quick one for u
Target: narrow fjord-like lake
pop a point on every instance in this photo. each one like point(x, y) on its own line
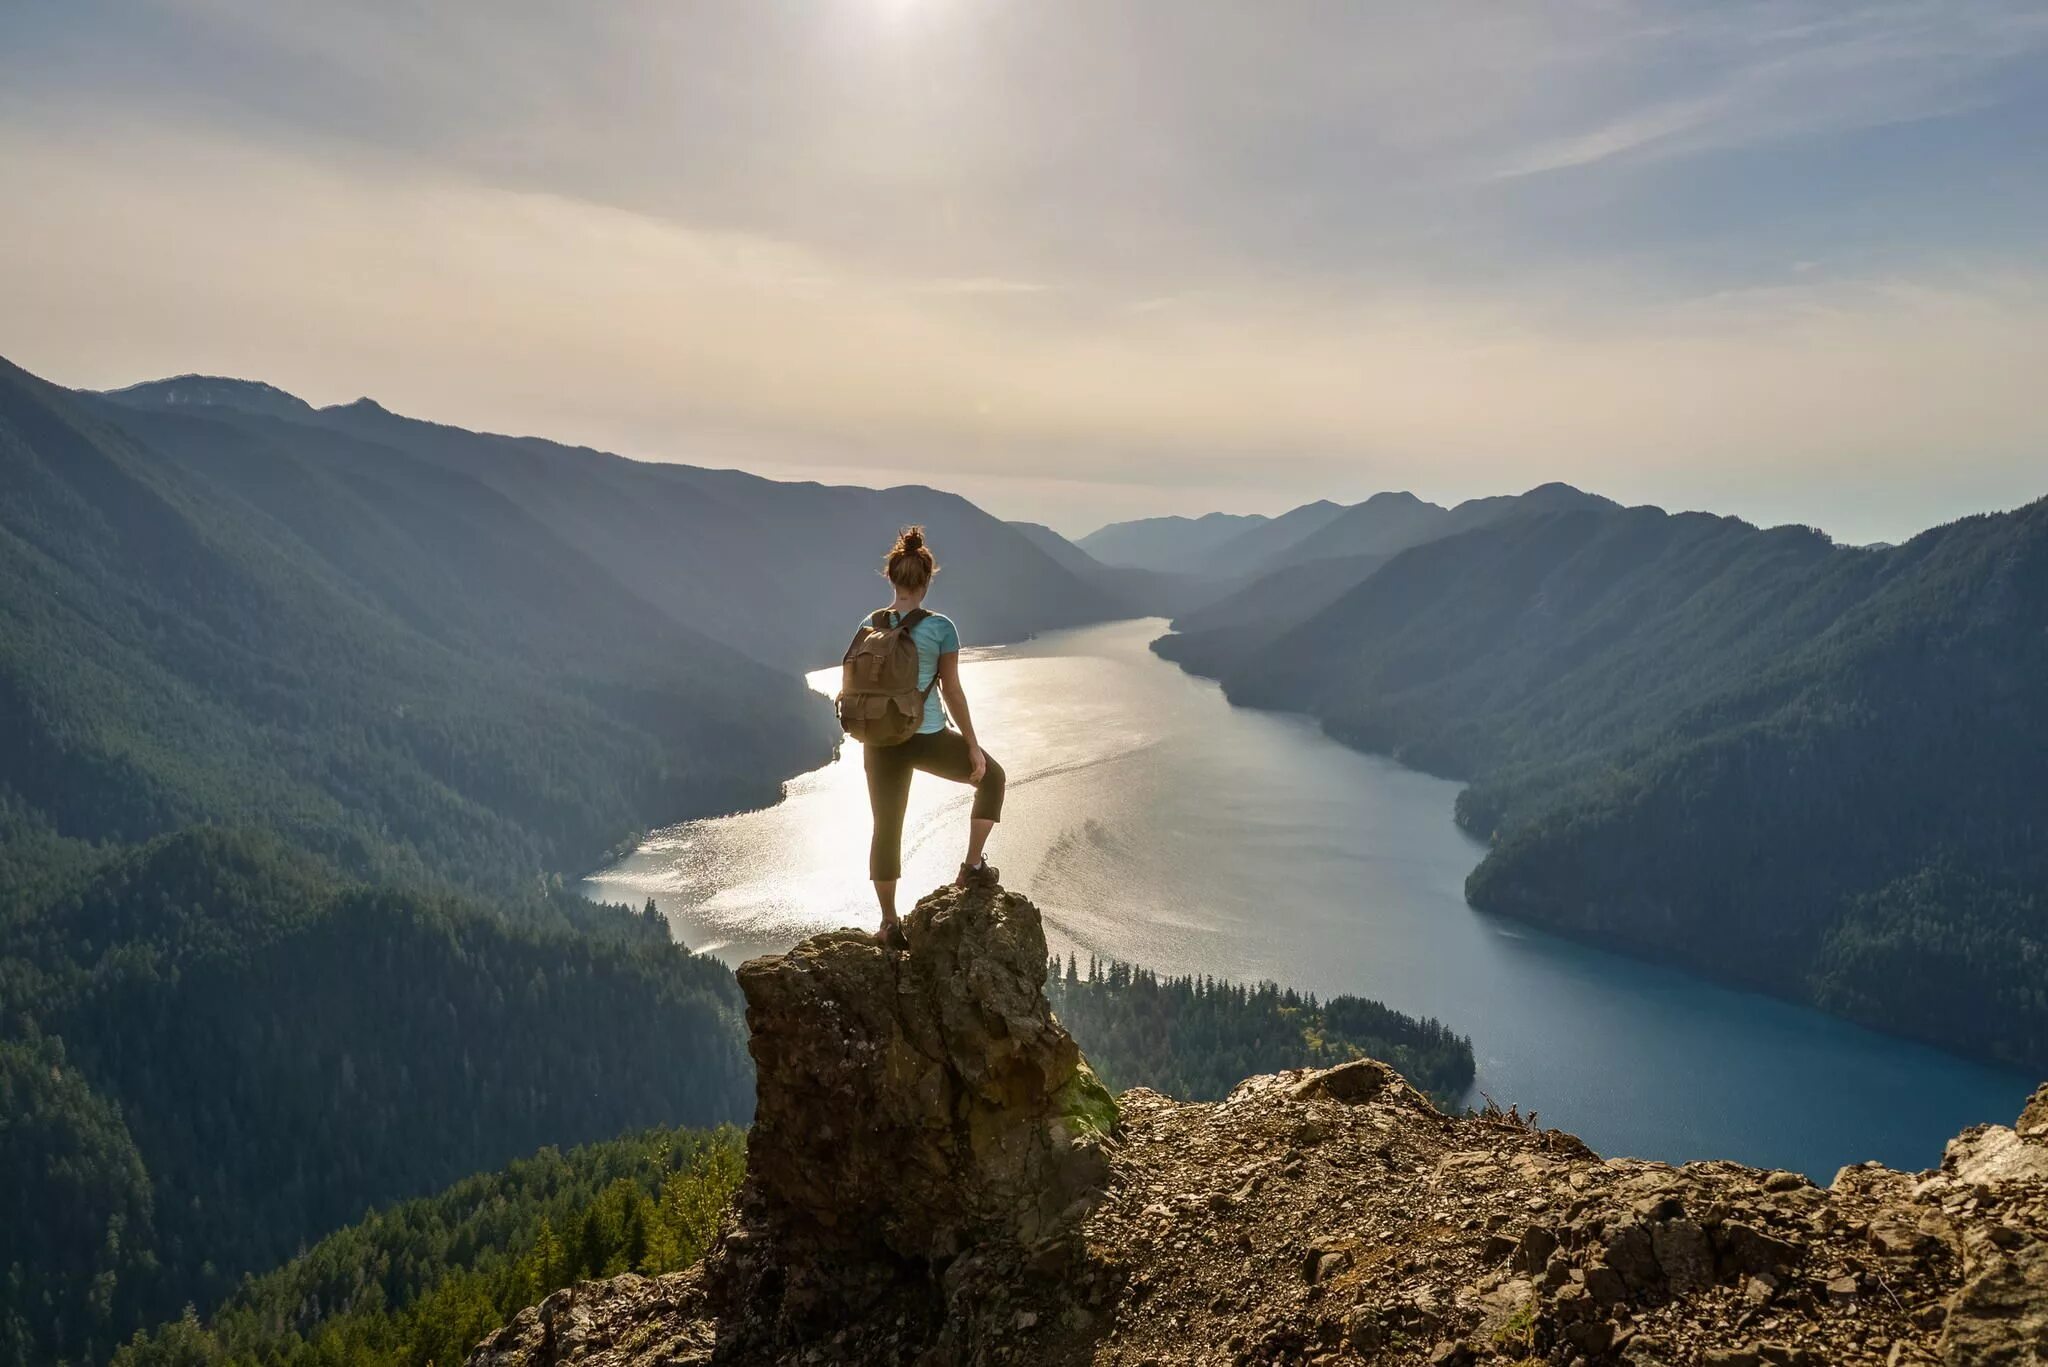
point(1153, 822)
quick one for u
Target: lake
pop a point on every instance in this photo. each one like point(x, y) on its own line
point(1153, 822)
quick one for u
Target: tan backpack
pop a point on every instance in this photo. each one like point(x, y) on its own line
point(879, 701)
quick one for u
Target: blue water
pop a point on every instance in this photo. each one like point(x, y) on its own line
point(1153, 822)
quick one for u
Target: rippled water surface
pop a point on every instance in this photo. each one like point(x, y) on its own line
point(1154, 822)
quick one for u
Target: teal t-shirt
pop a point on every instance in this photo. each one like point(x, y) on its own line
point(935, 636)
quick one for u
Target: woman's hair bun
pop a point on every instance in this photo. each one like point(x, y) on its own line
point(910, 564)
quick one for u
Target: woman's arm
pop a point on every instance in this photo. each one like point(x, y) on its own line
point(956, 707)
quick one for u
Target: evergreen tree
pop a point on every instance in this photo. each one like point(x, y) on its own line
point(1185, 1037)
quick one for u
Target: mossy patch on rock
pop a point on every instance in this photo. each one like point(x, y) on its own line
point(1086, 1103)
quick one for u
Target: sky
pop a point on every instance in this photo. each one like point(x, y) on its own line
point(1080, 261)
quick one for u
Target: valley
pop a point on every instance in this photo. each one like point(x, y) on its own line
point(1161, 825)
point(315, 715)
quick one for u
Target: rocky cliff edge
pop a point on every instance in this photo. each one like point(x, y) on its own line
point(934, 1177)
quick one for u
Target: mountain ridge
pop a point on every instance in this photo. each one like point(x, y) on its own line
point(1270, 542)
point(209, 391)
point(1170, 543)
point(1801, 766)
point(192, 595)
point(1389, 523)
point(798, 547)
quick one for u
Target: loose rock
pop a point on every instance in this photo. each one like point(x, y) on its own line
point(934, 1179)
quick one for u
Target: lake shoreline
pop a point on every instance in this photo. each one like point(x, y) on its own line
point(1155, 822)
point(1641, 953)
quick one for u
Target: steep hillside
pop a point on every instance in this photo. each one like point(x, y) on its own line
point(420, 1281)
point(779, 571)
point(980, 1201)
point(225, 1056)
point(1813, 768)
point(388, 664)
point(789, 567)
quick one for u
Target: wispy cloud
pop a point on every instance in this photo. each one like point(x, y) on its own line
point(1665, 248)
point(1741, 76)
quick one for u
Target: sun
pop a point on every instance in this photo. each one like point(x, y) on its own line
point(898, 11)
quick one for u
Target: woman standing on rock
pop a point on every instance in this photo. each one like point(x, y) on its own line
point(899, 657)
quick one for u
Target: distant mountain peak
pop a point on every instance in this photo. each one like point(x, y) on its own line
point(1172, 543)
point(364, 405)
point(211, 391)
point(1557, 491)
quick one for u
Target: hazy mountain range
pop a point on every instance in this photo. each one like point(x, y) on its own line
point(1230, 547)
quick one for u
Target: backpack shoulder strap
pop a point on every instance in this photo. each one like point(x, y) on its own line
point(880, 621)
point(911, 619)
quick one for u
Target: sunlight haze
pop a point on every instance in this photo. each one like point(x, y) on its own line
point(1079, 262)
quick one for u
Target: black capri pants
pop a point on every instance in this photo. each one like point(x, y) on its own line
point(889, 767)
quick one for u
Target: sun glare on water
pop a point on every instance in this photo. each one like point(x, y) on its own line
point(800, 866)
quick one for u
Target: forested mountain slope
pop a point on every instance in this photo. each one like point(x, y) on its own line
point(1196, 1038)
point(420, 1282)
point(779, 571)
point(214, 1054)
point(1819, 769)
point(269, 693)
point(387, 663)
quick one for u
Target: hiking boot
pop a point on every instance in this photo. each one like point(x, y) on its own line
point(982, 875)
point(892, 937)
